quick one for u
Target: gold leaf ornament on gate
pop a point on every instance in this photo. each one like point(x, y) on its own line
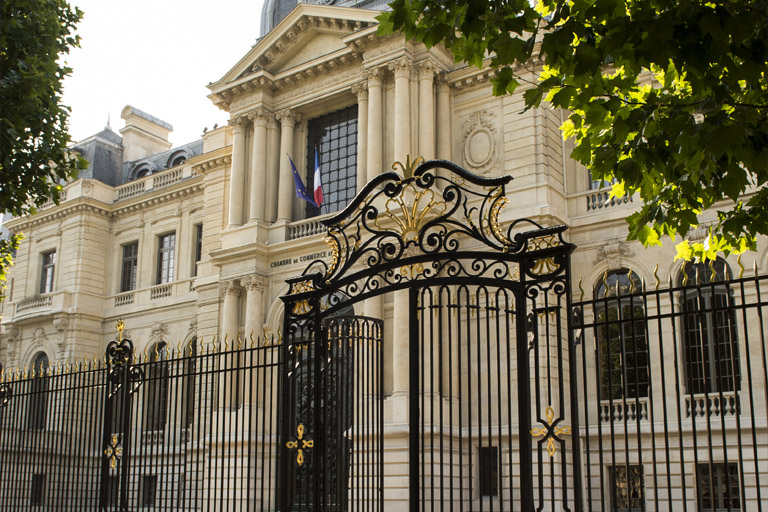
point(114, 451)
point(300, 444)
point(549, 432)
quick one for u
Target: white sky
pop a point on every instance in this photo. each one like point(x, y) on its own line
point(158, 56)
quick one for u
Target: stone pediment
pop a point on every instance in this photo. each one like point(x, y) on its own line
point(311, 35)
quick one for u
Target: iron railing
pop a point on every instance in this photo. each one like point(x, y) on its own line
point(673, 381)
point(191, 428)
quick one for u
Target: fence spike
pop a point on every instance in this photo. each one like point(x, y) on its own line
point(581, 288)
point(253, 342)
point(685, 274)
point(2, 375)
point(656, 276)
point(754, 267)
point(239, 342)
point(631, 281)
point(713, 275)
point(279, 336)
point(226, 341)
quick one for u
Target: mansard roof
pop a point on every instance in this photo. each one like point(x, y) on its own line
point(309, 35)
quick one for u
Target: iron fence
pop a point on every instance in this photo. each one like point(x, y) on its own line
point(673, 379)
point(185, 428)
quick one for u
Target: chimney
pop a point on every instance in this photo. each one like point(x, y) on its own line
point(143, 135)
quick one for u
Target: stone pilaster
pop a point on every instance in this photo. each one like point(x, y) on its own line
point(426, 110)
point(375, 135)
point(254, 306)
point(443, 119)
point(402, 69)
point(258, 192)
point(361, 90)
point(237, 180)
point(286, 188)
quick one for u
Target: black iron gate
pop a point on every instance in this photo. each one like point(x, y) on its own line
point(481, 323)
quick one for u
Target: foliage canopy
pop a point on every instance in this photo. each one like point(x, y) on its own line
point(667, 98)
point(34, 157)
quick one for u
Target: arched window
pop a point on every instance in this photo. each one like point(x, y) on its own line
point(710, 343)
point(156, 401)
point(37, 411)
point(177, 158)
point(621, 336)
point(143, 171)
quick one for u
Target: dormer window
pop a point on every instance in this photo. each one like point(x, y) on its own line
point(143, 171)
point(178, 160)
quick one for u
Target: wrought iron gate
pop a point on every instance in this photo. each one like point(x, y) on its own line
point(480, 316)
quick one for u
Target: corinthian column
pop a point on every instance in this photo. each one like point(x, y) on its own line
point(273, 168)
point(361, 90)
point(259, 165)
point(286, 187)
point(402, 71)
point(237, 179)
point(426, 111)
point(254, 309)
point(375, 131)
point(443, 119)
point(231, 307)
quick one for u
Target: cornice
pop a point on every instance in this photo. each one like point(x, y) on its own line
point(213, 160)
point(80, 205)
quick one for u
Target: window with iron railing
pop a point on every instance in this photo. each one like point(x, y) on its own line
point(710, 341)
point(621, 336)
point(129, 267)
point(166, 258)
point(47, 272)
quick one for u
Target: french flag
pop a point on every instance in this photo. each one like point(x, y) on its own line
point(318, 182)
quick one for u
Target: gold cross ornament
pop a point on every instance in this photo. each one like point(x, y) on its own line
point(305, 443)
point(114, 451)
point(549, 433)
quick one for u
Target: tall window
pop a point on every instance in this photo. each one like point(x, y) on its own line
point(198, 247)
point(710, 344)
point(335, 137)
point(627, 485)
point(37, 492)
point(130, 266)
point(37, 411)
point(621, 336)
point(156, 398)
point(166, 258)
point(46, 275)
point(718, 488)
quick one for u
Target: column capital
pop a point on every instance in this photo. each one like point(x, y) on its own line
point(288, 117)
point(401, 67)
point(427, 69)
point(260, 116)
point(374, 76)
point(442, 82)
point(229, 288)
point(253, 283)
point(361, 90)
point(238, 122)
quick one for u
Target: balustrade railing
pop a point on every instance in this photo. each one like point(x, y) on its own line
point(35, 303)
point(307, 227)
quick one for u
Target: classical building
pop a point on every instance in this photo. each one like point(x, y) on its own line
point(191, 248)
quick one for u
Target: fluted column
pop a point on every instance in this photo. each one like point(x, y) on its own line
point(426, 111)
point(375, 133)
point(259, 165)
point(402, 71)
point(273, 167)
point(443, 119)
point(237, 180)
point(254, 306)
point(361, 90)
point(286, 187)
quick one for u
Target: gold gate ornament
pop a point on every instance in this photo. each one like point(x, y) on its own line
point(548, 432)
point(305, 443)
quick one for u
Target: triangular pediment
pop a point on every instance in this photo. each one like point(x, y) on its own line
point(309, 33)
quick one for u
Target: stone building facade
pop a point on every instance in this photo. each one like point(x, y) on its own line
point(198, 241)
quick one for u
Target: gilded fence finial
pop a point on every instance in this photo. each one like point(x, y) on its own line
point(656, 276)
point(685, 274)
point(581, 289)
point(120, 326)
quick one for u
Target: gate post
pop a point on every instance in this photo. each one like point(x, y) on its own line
point(123, 380)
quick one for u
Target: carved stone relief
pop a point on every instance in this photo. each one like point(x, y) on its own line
point(479, 137)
